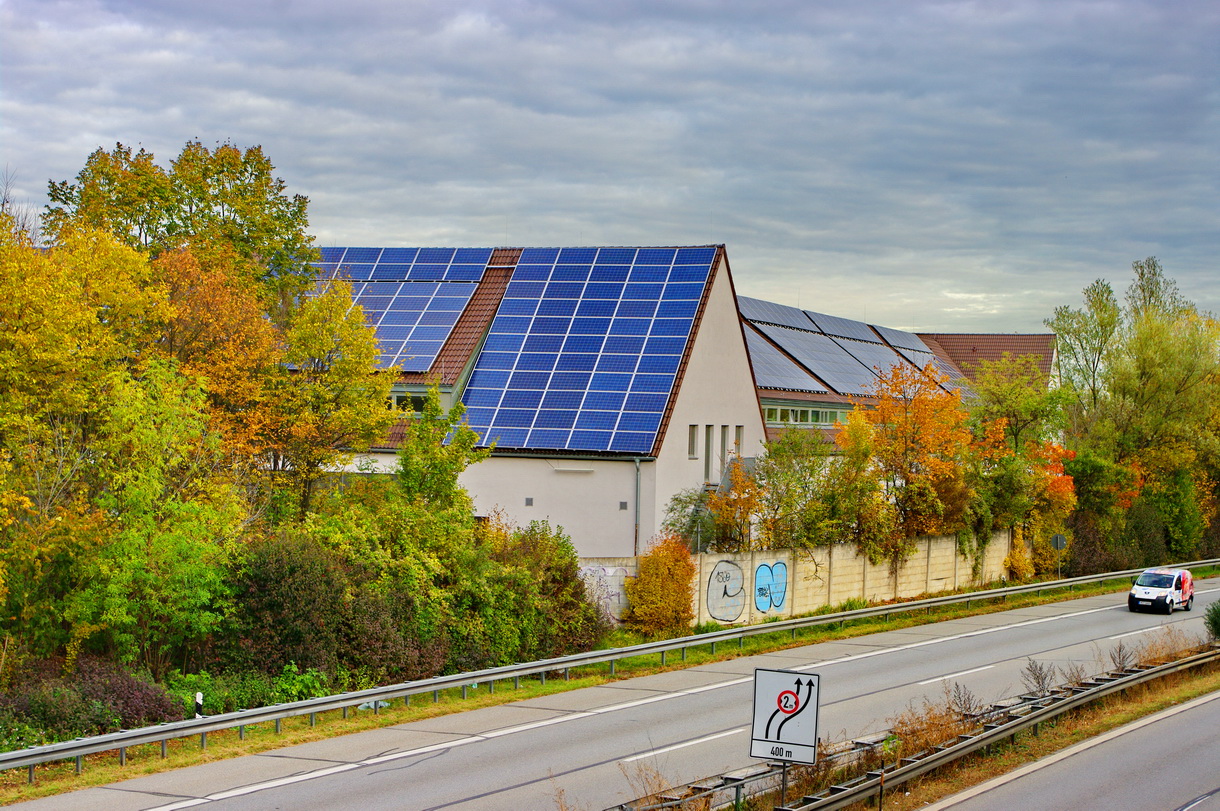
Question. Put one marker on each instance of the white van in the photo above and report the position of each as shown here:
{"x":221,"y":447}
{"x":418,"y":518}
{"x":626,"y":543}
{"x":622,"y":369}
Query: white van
{"x":1162,"y":590}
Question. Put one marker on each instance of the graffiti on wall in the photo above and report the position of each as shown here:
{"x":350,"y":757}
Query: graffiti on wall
{"x":726,"y":592}
{"x":770,"y":586}
{"x":605,"y":587}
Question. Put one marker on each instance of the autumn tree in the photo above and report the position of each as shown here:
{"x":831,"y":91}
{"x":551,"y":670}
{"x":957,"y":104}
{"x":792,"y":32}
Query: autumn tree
{"x":223,"y":203}
{"x":1143,"y":378}
{"x":920,"y":438}
{"x":328,"y":397}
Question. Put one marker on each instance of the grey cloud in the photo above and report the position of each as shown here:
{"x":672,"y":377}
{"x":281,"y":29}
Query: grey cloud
{"x":944,"y":166}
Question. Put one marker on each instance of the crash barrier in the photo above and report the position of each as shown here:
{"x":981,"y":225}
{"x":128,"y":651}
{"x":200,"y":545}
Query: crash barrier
{"x":377,"y":698}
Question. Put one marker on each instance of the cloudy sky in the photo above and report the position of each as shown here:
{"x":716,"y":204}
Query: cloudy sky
{"x":939,"y":166}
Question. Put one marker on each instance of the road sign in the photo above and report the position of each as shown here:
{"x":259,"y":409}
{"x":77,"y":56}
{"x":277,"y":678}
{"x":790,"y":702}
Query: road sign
{"x":785,"y":716}
{"x":1059,"y":541}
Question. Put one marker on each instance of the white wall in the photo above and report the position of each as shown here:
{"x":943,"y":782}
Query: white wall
{"x":717,"y":390}
{"x":585,"y":497}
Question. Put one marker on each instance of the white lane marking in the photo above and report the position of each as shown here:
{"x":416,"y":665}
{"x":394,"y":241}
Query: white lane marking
{"x":974,"y":791}
{"x":256,"y":787}
{"x":1133,"y":633}
{"x":955,"y":675}
{"x":677,"y":746}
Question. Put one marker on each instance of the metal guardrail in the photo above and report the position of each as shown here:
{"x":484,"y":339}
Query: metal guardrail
{"x":1001,"y":722}
{"x":122,"y":740}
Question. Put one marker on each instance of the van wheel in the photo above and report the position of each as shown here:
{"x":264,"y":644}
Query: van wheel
{"x":1190,"y":603}
{"x":1168,"y":605}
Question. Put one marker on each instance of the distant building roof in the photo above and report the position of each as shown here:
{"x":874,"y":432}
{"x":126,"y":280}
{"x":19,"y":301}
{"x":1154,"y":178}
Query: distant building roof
{"x":967,"y":350}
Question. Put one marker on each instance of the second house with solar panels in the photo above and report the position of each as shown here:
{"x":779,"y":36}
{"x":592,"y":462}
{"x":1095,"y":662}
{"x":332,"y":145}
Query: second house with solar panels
{"x":608,"y":379}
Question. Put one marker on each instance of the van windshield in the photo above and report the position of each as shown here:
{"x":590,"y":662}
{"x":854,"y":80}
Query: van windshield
{"x":1155,"y":580}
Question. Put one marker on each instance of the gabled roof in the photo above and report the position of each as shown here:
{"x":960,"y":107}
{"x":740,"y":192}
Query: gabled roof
{"x":967,"y":350}
{"x":577,"y":350}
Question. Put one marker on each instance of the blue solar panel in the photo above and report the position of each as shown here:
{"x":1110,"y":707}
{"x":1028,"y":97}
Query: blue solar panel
{"x":620,"y":346}
{"x":412,"y":296}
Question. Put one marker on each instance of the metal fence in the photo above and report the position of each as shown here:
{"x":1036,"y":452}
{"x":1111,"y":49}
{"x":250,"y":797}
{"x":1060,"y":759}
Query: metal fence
{"x":377,"y":696}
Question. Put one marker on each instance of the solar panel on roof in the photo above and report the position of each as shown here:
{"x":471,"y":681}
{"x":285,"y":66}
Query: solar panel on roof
{"x":843,"y":327}
{"x":820,"y":354}
{"x":769,"y":312}
{"x":609,"y":339}
{"x":874,"y":356}
{"x":413,"y":297}
{"x":775,"y":370}
{"x":901,"y":339}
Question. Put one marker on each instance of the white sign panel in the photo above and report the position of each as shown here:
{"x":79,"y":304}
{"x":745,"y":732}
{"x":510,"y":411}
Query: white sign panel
{"x":785,"y":716}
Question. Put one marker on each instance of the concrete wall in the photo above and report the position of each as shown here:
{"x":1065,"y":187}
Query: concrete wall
{"x":749,"y":588}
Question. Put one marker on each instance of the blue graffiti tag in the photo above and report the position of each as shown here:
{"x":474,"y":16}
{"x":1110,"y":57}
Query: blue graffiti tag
{"x":770,"y":585}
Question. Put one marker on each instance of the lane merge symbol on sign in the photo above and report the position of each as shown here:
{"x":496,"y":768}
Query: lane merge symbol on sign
{"x":785,"y":716}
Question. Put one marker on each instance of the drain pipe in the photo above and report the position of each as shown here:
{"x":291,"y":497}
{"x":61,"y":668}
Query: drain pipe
{"x":636,"y":540}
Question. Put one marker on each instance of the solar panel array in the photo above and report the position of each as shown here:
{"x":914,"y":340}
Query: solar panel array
{"x":585,"y":347}
{"x":412,"y":296}
{"x":775,"y":370}
{"x":825,"y":357}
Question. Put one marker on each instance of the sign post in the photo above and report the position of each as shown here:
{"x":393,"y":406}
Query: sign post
{"x":1059,"y":542}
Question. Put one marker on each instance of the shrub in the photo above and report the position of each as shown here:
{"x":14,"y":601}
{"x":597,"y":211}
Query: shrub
{"x":1017,"y":562}
{"x":226,"y":692}
{"x":136,"y":701}
{"x":288,"y":600}
{"x":1211,"y":618}
{"x":659,"y":597}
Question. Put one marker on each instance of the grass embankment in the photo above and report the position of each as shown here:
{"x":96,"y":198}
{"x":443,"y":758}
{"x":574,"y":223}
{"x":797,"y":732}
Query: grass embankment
{"x":104,"y":768}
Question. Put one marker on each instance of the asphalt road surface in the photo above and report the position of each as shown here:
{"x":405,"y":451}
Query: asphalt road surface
{"x":1166,"y":761}
{"x":594,"y":746}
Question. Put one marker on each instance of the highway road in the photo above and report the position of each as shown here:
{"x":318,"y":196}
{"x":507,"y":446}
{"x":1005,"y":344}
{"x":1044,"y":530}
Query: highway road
{"x":1166,"y":761}
{"x":591,"y":746}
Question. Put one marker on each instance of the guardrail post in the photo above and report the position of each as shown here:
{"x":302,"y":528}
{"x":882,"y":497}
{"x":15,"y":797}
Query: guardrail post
{"x":542,"y":677}
{"x":203,"y":740}
{"x":345,"y":713}
{"x":30,"y":776}
{"x":122,"y":755}
{"x":612,"y":668}
{"x":279,"y":724}
{"x":79,"y":763}
{"x":241,"y":732}
{"x":164,"y":748}
{"x":436,"y":696}
{"x":662,"y":658}
{"x":713,"y":647}
{"x":313,"y":718}
{"x":463,"y":692}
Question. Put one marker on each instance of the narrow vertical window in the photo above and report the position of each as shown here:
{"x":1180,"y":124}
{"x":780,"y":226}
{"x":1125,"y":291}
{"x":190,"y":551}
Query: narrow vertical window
{"x":724,"y":448}
{"x":707,"y":453}
{"x":692,"y":442}
{"x":738,"y":439}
